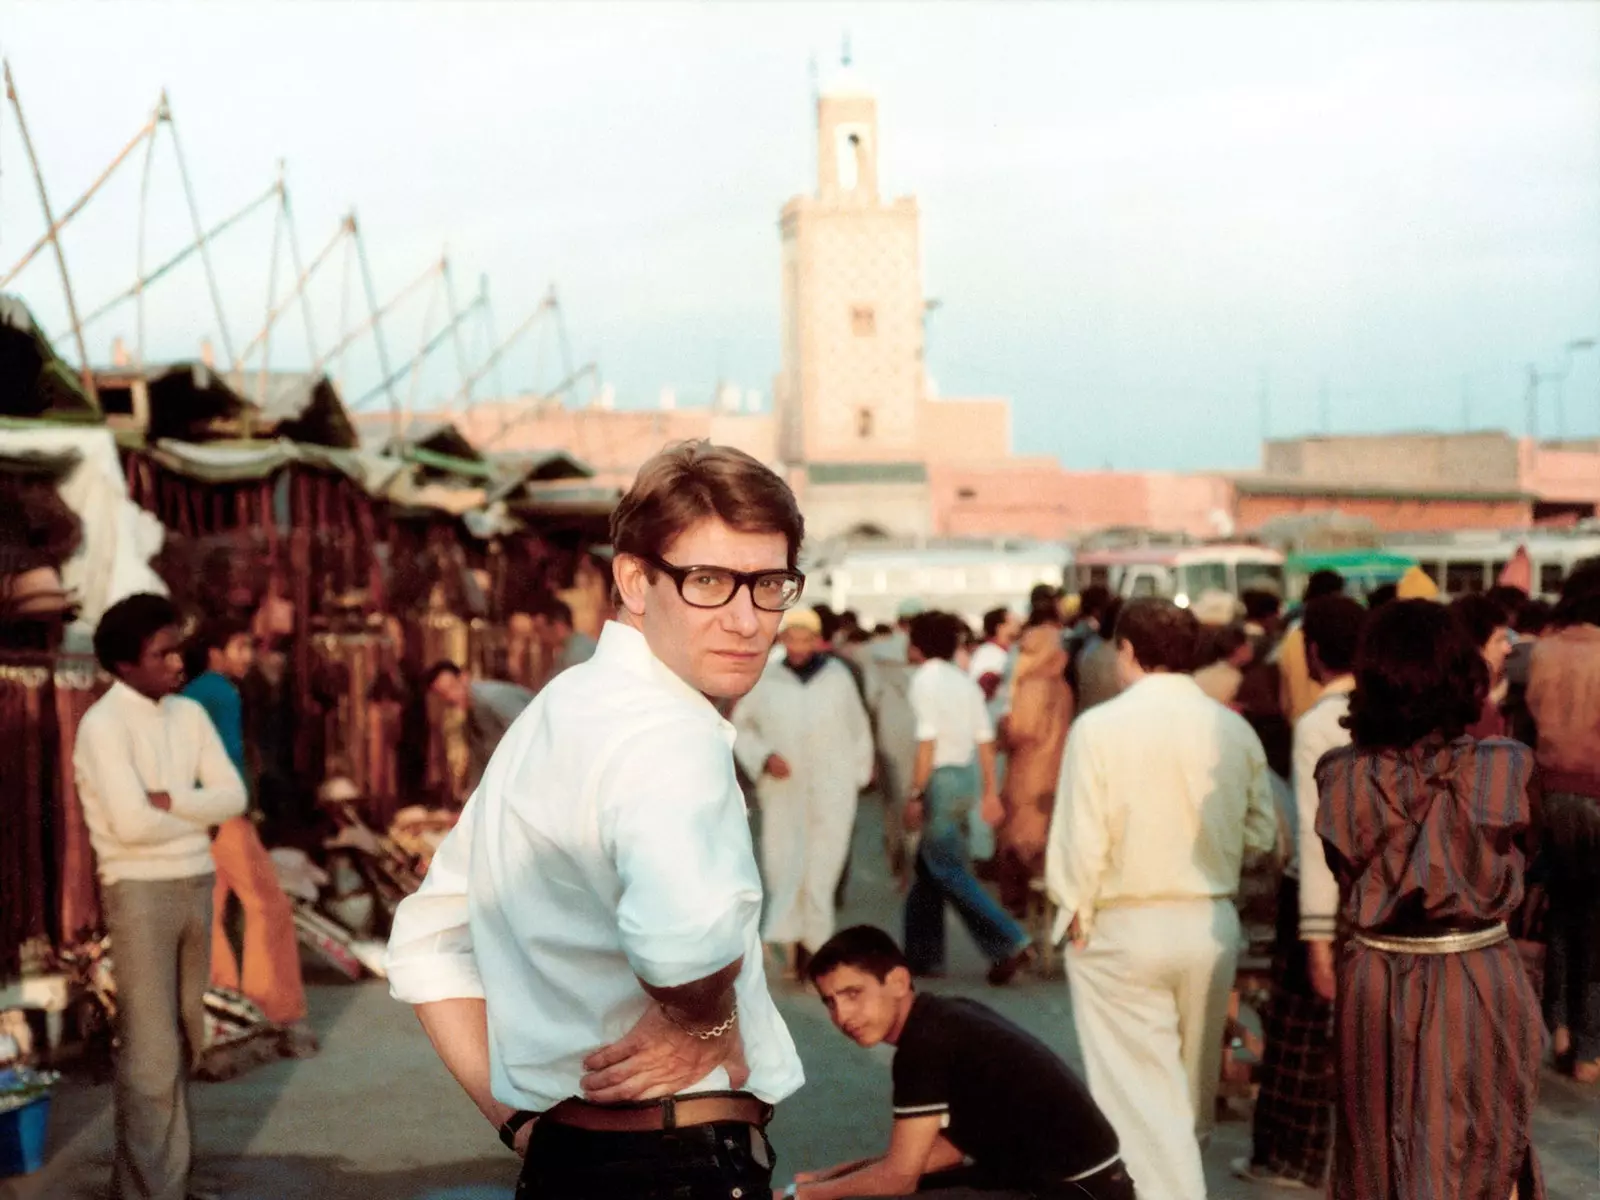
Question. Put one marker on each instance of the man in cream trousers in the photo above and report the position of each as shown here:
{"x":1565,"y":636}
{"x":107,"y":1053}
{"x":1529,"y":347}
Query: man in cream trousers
{"x":153,"y":777}
{"x":1163,"y":793}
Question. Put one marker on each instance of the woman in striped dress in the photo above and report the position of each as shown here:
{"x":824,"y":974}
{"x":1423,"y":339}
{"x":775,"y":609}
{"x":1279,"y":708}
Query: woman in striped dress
{"x":1438,"y":1035}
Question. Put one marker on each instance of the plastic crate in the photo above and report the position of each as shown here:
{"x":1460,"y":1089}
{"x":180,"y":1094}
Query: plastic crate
{"x":22,"y":1137}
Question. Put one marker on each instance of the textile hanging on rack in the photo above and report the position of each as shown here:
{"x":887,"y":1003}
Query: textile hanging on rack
{"x":25,"y":772}
{"x":78,"y":684}
{"x":48,"y":887}
{"x":361,"y":697}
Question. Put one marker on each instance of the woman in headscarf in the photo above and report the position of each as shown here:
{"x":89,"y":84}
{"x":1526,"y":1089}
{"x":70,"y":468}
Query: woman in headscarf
{"x":1437,"y":1036}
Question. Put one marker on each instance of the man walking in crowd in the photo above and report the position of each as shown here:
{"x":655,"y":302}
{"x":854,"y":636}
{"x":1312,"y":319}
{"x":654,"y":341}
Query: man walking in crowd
{"x":271,"y":968}
{"x":981,"y":1107}
{"x":954,"y":774}
{"x":153,"y":777}
{"x":1298,"y":691}
{"x":1293,"y":1122}
{"x":490,"y":706}
{"x":889,"y":702}
{"x":601,"y":879}
{"x":1163,"y":793}
{"x":992,"y":658}
{"x":803,"y":737}
{"x":1092,"y":658}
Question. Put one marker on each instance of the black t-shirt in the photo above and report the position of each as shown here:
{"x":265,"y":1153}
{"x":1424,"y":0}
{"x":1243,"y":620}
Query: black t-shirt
{"x":1009,"y":1103}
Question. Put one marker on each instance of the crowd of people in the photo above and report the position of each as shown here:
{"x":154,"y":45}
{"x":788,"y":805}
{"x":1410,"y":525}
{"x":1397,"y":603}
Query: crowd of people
{"x":589,"y":950}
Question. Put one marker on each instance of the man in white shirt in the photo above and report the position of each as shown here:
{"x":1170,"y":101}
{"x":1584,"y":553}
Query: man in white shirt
{"x":1292,"y":1128}
{"x":1163,"y":793}
{"x":154,"y":778}
{"x":803,"y":737}
{"x":990,"y":663}
{"x":585,"y":951}
{"x":954,"y":775}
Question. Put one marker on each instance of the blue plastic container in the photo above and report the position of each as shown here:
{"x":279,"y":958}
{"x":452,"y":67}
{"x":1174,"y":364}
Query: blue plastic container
{"x":22,"y":1137}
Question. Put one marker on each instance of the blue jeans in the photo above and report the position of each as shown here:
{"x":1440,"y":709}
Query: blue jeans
{"x":944,"y":873}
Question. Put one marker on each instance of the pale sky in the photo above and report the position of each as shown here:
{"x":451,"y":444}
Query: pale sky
{"x":1133,"y":214}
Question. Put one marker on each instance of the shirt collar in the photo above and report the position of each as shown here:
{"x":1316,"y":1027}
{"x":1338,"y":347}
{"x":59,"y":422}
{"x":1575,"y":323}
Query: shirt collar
{"x":131,"y":698}
{"x":627,"y":648}
{"x":1166,"y":679}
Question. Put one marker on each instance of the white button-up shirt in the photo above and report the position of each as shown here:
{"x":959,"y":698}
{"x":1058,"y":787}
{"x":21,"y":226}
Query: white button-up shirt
{"x":1162,"y":792}
{"x":1316,"y":733}
{"x":129,"y":746}
{"x":950,"y":712}
{"x":607,"y":841}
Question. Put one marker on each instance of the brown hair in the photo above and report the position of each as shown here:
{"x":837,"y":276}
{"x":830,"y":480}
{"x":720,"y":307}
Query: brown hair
{"x":1163,"y":636}
{"x":690,"y":481}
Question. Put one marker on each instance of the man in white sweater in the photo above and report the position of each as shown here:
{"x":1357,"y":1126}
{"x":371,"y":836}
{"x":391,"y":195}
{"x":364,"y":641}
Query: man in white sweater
{"x":153,"y":778}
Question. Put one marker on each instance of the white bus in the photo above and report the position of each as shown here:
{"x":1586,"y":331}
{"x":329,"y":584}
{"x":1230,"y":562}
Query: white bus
{"x":1180,"y":573}
{"x":1468,"y":561}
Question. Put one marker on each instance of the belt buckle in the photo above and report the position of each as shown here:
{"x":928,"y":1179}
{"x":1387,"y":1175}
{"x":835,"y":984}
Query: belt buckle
{"x":669,"y":1113}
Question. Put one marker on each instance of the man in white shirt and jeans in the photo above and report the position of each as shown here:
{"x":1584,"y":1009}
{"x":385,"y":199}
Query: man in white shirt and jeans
{"x":1163,"y":793}
{"x":154,"y":778}
{"x":585,"y":952}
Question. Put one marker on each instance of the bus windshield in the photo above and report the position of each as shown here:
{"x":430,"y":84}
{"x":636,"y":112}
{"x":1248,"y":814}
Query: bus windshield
{"x":1258,"y":574}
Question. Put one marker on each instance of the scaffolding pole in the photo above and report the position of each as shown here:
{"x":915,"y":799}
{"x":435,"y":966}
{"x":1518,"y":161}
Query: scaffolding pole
{"x":51,"y":236}
{"x":177,"y":259}
{"x":294,"y":259}
{"x":405,"y":293}
{"x":499,"y":352}
{"x":492,"y":340}
{"x":566,"y":385}
{"x":455,"y":321}
{"x":198,"y":228}
{"x":428,"y":348}
{"x":346,"y":226}
{"x":55,"y":226}
{"x":278,"y":219}
{"x":377,"y":325}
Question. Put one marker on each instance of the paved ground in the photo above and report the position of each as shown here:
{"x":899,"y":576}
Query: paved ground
{"x":376,"y":1116}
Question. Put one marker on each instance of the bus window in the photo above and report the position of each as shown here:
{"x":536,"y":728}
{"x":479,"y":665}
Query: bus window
{"x":1463,"y":578}
{"x":1198,"y":578}
{"x":1497,"y":569}
{"x":1144,"y":585}
{"x":1551,"y":576}
{"x":1255,"y":574}
{"x":1433,"y":569}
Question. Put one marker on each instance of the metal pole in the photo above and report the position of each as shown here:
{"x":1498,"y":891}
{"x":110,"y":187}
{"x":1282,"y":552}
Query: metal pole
{"x":55,"y":226}
{"x":422,"y":352}
{"x":138,"y":266}
{"x":278,"y":220}
{"x":55,"y":241}
{"x":532,"y":410}
{"x":345,"y":227}
{"x":377,"y":326}
{"x":294,"y":259}
{"x":455,"y":323}
{"x":428,"y":348}
{"x":393,"y":302}
{"x":199,"y":230}
{"x":220,"y":228}
{"x":344,"y":317}
{"x":500,"y":350}
{"x":488,"y":326}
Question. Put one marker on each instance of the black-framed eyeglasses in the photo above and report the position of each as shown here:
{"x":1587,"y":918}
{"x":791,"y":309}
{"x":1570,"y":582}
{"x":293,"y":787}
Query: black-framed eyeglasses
{"x":712,"y":587}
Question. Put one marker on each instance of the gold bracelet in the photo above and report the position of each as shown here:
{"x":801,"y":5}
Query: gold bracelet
{"x":706,"y":1035}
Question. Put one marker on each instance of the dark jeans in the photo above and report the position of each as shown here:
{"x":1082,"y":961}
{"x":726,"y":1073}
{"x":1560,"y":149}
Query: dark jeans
{"x":974,"y":1183}
{"x":698,"y":1162}
{"x":1571,"y":847}
{"x":944,"y":873}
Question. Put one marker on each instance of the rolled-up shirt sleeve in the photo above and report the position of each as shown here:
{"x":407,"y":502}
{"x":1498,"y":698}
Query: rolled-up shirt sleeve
{"x":672,"y":820}
{"x":430,"y":953}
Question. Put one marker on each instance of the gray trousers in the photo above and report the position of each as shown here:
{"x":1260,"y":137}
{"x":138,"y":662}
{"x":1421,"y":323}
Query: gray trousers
{"x":161,"y":956}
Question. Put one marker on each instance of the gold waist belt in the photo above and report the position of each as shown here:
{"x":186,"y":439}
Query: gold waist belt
{"x":1449,"y":943}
